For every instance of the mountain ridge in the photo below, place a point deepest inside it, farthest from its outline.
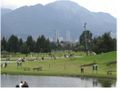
(46, 19)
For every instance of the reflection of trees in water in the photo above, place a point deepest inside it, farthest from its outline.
(106, 82)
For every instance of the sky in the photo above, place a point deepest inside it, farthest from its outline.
(108, 6)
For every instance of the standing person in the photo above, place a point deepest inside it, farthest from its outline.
(19, 62)
(23, 59)
(42, 58)
(82, 69)
(95, 67)
(5, 64)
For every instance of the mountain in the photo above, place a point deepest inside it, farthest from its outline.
(5, 11)
(60, 16)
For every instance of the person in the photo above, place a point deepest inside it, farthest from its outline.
(42, 58)
(23, 59)
(21, 84)
(25, 84)
(82, 69)
(95, 67)
(5, 64)
(19, 62)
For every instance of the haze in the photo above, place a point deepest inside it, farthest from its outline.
(108, 6)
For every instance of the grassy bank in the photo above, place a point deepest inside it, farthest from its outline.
(66, 66)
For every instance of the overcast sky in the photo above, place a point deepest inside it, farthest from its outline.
(108, 6)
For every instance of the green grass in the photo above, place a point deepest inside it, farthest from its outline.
(66, 66)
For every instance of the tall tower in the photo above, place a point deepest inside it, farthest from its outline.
(68, 36)
(85, 36)
(56, 36)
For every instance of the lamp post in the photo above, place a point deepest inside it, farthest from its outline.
(86, 46)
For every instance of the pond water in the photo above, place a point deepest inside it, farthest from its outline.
(54, 81)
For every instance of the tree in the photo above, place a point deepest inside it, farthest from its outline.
(43, 43)
(24, 49)
(30, 43)
(47, 46)
(38, 44)
(86, 40)
(104, 43)
(107, 42)
(114, 44)
(53, 45)
(20, 44)
(13, 44)
(3, 44)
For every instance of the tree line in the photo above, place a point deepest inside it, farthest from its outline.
(87, 43)
(99, 44)
(14, 44)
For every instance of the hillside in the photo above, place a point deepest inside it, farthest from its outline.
(60, 16)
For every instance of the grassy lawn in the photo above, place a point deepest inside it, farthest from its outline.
(64, 66)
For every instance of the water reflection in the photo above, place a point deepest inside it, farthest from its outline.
(95, 83)
(106, 82)
(53, 81)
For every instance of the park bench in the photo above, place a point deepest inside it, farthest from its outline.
(110, 72)
(37, 68)
(26, 69)
(90, 64)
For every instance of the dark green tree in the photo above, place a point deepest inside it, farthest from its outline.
(20, 44)
(30, 43)
(86, 40)
(38, 44)
(24, 49)
(3, 44)
(43, 43)
(53, 46)
(47, 47)
(107, 43)
(104, 43)
(13, 44)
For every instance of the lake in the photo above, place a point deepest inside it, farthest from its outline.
(55, 81)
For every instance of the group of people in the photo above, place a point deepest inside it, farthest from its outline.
(19, 61)
(4, 65)
(22, 84)
(94, 68)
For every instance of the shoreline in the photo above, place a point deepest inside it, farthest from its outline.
(60, 75)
